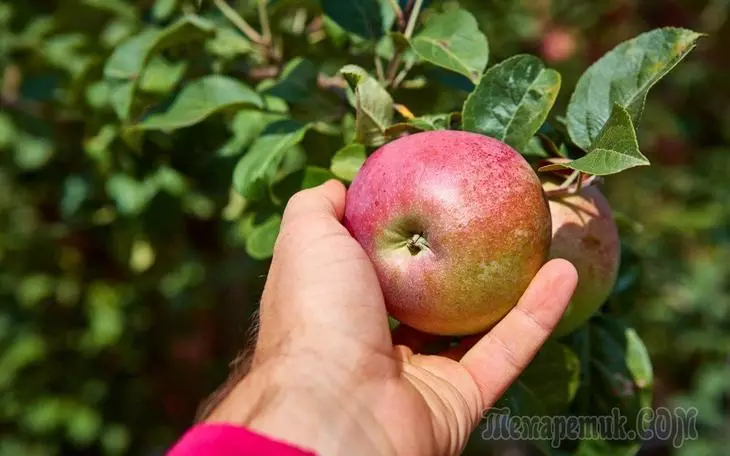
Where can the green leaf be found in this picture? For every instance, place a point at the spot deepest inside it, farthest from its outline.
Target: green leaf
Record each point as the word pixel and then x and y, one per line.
pixel 260 243
pixel 512 100
pixel 106 318
pixel 83 424
pixel 229 43
pixel 614 150
pixel 430 122
pixel 553 376
pixel 32 152
pixel 161 76
pixel 8 131
pixel 452 40
pixel 297 82
pixel 76 191
pixel 129 59
pixel 201 99
pixel 247 125
pixel 25 349
pixel 361 17
pixel 518 401
pixel 117 7
pixel 373 106
pixel 163 9
pixel 347 161
pixel 255 172
pixel 616 369
pixel 624 76
pixel 131 196
pixel 314 176
pixel 534 148
pixel 115 439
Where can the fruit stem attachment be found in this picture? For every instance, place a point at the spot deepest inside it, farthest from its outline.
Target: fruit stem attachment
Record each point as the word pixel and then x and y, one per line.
pixel 567 190
pixel 416 244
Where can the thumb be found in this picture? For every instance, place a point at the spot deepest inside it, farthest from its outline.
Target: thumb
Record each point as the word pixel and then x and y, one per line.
pixel 319 276
pixel 317 203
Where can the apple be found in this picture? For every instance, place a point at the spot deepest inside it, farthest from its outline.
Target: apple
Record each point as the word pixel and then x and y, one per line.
pixel 456 225
pixel 558 45
pixel 585 233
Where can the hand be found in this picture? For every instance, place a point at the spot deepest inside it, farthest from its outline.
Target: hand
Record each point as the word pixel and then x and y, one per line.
pixel 326 373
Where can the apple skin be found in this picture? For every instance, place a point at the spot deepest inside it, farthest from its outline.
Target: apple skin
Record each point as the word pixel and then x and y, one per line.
pixel 558 45
pixel 585 233
pixel 456 225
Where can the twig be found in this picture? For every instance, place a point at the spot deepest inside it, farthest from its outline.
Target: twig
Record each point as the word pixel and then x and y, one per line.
pixel 398 13
pixel 379 68
pixel 239 22
pixel 572 190
pixel 402 75
pixel 394 64
pixel 393 67
pixel 264 19
pixel 413 18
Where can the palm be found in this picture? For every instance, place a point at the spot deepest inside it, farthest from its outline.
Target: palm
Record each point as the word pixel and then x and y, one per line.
pixel 323 303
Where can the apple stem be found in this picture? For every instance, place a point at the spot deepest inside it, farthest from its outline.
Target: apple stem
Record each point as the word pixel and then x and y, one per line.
pixel 416 244
pixel 572 190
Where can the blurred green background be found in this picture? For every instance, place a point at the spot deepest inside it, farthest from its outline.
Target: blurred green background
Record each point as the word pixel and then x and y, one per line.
pixel 125 283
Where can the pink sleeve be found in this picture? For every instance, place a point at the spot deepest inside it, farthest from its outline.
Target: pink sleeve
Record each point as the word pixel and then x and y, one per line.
pixel 229 440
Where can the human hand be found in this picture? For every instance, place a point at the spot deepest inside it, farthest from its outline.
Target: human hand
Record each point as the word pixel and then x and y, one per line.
pixel 327 375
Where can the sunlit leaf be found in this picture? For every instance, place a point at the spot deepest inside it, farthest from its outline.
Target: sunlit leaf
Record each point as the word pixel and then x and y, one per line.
pixel 512 100
pixel 254 173
pixel 347 161
pixel 373 105
pixel 260 243
pixel 624 76
pixel 615 149
pixel 452 40
pixel 201 99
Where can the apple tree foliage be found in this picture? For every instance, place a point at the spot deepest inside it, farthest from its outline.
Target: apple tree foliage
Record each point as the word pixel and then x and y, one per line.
pixel 139 131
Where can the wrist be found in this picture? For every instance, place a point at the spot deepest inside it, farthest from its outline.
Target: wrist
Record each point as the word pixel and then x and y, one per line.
pixel 308 410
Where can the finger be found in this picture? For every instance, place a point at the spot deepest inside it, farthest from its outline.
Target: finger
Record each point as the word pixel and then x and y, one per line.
pixel 501 355
pixel 320 280
pixel 325 199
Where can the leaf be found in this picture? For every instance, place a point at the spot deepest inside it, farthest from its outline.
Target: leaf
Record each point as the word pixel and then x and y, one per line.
pixel 8 132
pixel 373 105
pixel 105 315
pixel 452 40
pixel 553 376
pixel 361 17
pixel 32 152
pixel 614 150
pixel 260 243
pixel 255 171
pixel 129 59
pixel 131 196
pixel 517 403
pixel 201 99
pixel 431 122
pixel 161 76
pixel 624 76
pixel 297 82
pixel 24 350
pixel 163 9
pixel 314 176
pixel 247 125
pixel 229 43
pixel 512 100
pixel 616 370
pixel 347 161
